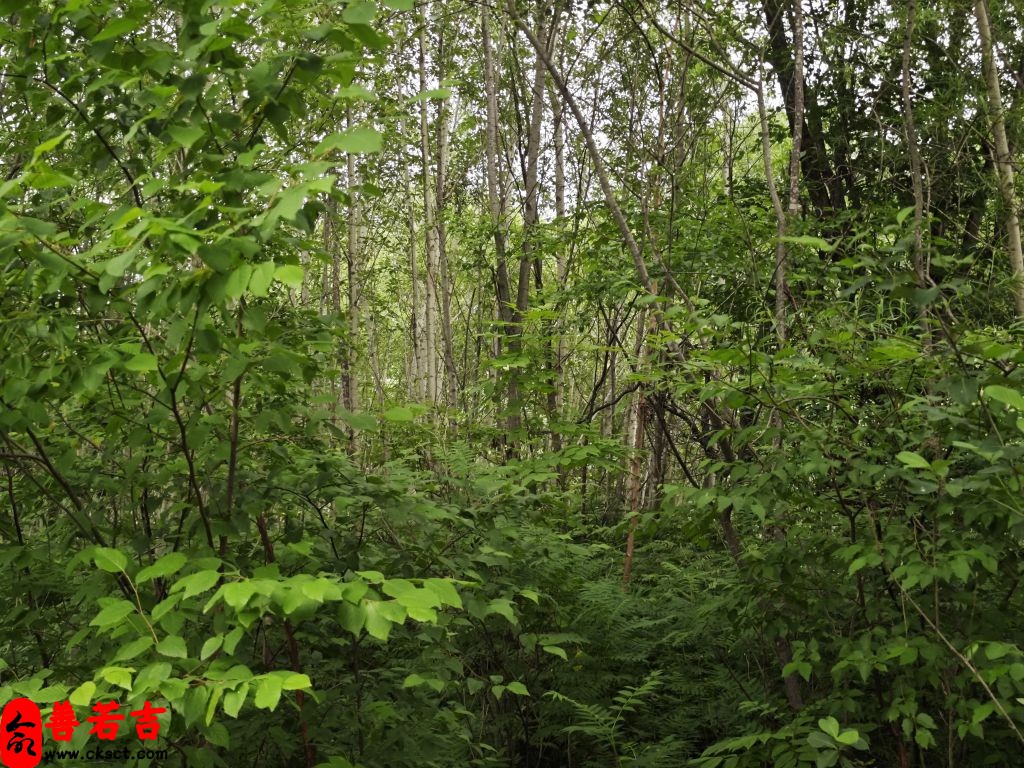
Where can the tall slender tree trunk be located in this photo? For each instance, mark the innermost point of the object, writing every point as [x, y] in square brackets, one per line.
[351, 393]
[556, 396]
[531, 253]
[495, 194]
[332, 286]
[430, 228]
[451, 373]
[781, 285]
[635, 442]
[913, 149]
[1003, 157]
[417, 376]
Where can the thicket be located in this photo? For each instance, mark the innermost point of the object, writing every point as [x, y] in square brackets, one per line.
[537, 385]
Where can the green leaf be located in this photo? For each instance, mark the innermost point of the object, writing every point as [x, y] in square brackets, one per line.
[445, 592]
[196, 583]
[363, 140]
[352, 617]
[211, 646]
[118, 676]
[113, 613]
[134, 648]
[399, 5]
[237, 281]
[167, 565]
[1005, 395]
[398, 413]
[517, 688]
[380, 617]
[433, 93]
[995, 651]
[289, 204]
[419, 603]
[555, 651]
[830, 726]
[110, 560]
[116, 28]
[185, 135]
[232, 639]
[849, 737]
[82, 695]
[360, 421]
[141, 363]
[296, 682]
[268, 692]
[914, 460]
[173, 646]
[359, 12]
[816, 243]
[502, 607]
[290, 275]
[233, 700]
[262, 277]
[49, 145]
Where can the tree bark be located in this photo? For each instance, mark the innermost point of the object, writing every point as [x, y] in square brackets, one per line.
[451, 373]
[1003, 157]
[354, 246]
[430, 227]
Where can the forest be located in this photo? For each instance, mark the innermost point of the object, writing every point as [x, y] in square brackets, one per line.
[516, 384]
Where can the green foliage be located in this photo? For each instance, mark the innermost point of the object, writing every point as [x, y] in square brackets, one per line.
[826, 524]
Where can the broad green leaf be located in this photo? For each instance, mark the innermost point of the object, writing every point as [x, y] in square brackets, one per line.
[141, 363]
[555, 651]
[134, 648]
[82, 695]
[445, 591]
[262, 277]
[116, 28]
[502, 607]
[211, 646]
[357, 141]
[816, 243]
[381, 616]
[167, 565]
[352, 617]
[359, 12]
[433, 93]
[296, 681]
[995, 651]
[914, 460]
[268, 692]
[185, 135]
[849, 737]
[114, 613]
[1005, 395]
[830, 726]
[173, 646]
[196, 583]
[49, 145]
[110, 560]
[398, 413]
[290, 275]
[233, 700]
[119, 676]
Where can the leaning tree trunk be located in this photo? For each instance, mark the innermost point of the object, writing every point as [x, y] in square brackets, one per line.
[1004, 159]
